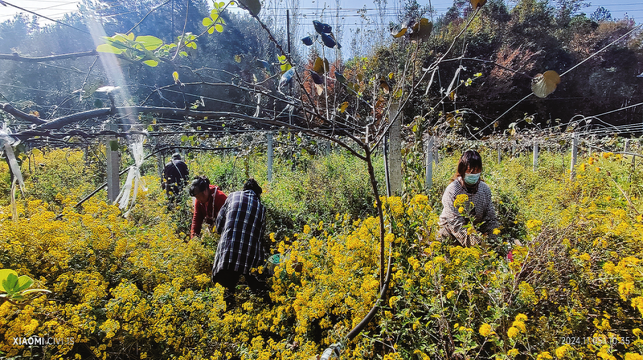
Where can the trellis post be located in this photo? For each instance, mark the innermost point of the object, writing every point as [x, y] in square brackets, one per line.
[113, 167]
[574, 154]
[535, 160]
[429, 163]
[160, 164]
[270, 155]
[499, 154]
[395, 155]
[387, 179]
[513, 149]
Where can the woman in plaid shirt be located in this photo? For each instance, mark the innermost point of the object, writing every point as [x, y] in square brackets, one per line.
[478, 205]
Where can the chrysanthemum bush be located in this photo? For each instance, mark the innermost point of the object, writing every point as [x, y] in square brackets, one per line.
[133, 288]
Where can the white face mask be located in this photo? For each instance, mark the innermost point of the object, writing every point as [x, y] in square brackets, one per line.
[471, 179]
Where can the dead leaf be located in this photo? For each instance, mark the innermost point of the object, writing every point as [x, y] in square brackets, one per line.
[421, 30]
[384, 86]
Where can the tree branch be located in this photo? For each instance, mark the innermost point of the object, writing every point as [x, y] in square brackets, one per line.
[21, 115]
[17, 57]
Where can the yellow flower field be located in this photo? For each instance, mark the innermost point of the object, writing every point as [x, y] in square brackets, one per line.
[136, 288]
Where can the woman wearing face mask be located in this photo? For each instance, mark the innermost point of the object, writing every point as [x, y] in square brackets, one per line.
[454, 217]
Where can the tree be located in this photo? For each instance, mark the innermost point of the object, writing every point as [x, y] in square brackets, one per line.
[601, 14]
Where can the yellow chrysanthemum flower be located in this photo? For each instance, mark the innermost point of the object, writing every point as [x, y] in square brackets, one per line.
[513, 332]
[485, 330]
[460, 200]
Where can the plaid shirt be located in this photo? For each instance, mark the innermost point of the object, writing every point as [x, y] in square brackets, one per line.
[452, 222]
[241, 223]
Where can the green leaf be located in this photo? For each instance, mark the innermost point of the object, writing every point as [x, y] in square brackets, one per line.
[119, 37]
[219, 27]
[9, 284]
[107, 48]
[150, 128]
[152, 63]
[285, 67]
[183, 54]
[184, 138]
[150, 42]
[4, 274]
[206, 22]
[24, 282]
[211, 30]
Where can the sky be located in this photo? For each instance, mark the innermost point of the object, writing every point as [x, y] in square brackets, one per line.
[352, 15]
[55, 9]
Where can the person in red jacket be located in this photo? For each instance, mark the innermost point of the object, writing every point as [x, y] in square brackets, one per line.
[208, 202]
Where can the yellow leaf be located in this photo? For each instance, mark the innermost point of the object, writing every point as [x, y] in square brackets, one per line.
[320, 66]
[545, 84]
[477, 3]
[343, 107]
[397, 34]
[175, 76]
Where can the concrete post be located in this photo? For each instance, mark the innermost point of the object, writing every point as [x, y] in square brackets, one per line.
[113, 167]
[574, 154]
[535, 160]
[429, 163]
[395, 155]
[270, 155]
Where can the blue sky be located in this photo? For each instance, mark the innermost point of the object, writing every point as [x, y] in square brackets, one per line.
[355, 16]
[57, 8]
